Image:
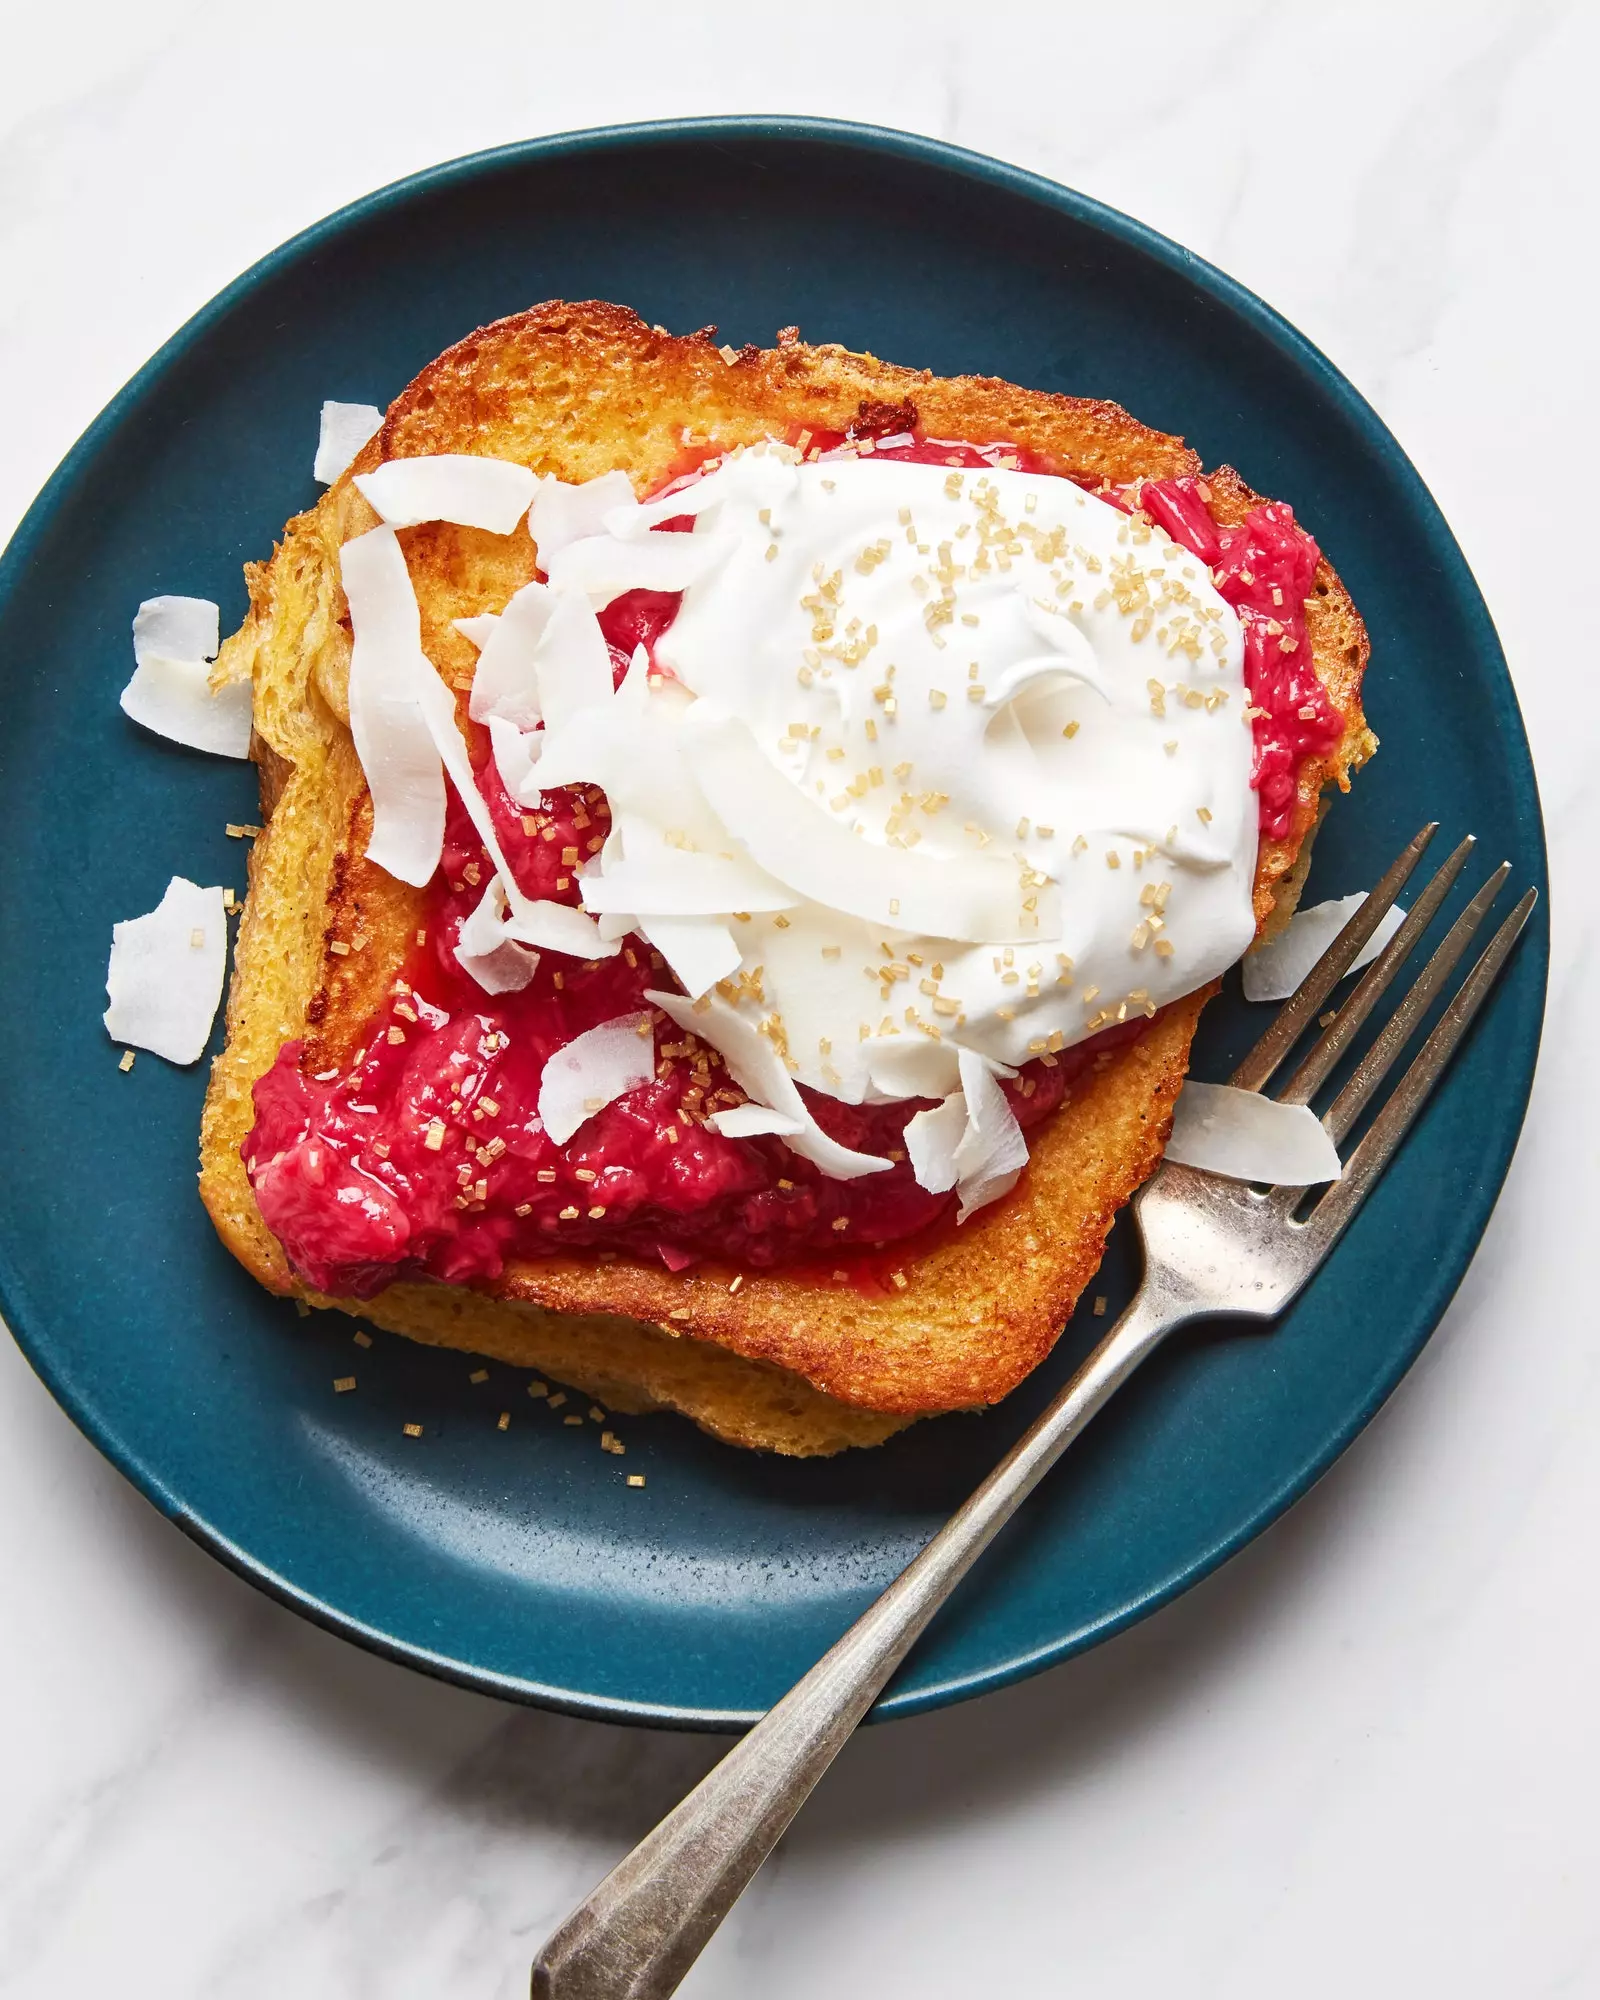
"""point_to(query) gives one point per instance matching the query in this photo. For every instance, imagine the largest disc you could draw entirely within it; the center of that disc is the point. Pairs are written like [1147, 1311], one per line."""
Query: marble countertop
[1361, 1757]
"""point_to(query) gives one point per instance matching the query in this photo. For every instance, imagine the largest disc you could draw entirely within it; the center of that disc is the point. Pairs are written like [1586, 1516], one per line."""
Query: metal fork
[1211, 1246]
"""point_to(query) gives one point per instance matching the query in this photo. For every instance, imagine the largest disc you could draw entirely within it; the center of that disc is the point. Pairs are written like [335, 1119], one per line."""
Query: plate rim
[1128, 232]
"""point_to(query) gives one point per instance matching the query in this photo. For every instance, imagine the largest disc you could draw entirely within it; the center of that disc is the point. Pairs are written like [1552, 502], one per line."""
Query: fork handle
[638, 1933]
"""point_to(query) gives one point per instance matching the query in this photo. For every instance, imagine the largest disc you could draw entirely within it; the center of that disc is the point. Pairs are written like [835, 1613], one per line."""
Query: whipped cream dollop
[943, 758]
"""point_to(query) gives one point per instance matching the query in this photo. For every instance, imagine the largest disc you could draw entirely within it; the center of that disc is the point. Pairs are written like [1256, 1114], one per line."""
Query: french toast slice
[791, 1361]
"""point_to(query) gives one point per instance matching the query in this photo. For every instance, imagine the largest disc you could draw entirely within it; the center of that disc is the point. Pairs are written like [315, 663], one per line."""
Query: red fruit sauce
[341, 1162]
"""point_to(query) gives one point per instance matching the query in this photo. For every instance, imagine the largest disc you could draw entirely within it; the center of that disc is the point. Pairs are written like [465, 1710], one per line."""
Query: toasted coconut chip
[662, 881]
[165, 977]
[1249, 1137]
[346, 427]
[756, 1066]
[992, 1153]
[593, 1070]
[174, 698]
[915, 1068]
[969, 898]
[760, 476]
[699, 950]
[546, 925]
[932, 1138]
[176, 628]
[484, 951]
[480, 629]
[752, 1121]
[473, 492]
[514, 753]
[506, 682]
[1276, 969]
[562, 514]
[604, 568]
[388, 671]
[571, 661]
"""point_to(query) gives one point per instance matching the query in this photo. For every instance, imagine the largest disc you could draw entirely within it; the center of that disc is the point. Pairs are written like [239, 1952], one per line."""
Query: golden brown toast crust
[793, 1362]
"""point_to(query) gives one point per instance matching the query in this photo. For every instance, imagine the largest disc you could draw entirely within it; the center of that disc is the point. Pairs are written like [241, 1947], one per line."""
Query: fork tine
[1392, 1123]
[1326, 1051]
[1297, 1014]
[1375, 1065]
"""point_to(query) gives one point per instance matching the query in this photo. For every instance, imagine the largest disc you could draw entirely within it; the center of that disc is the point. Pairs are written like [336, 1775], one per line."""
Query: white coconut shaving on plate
[593, 1070]
[165, 977]
[345, 428]
[174, 641]
[1275, 970]
[1249, 1137]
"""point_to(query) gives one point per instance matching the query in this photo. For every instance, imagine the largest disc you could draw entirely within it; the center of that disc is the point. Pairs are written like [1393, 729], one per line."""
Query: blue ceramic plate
[520, 1562]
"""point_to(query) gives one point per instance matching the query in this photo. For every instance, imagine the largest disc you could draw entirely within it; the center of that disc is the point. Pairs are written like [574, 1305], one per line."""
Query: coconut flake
[914, 1067]
[486, 953]
[562, 514]
[176, 628]
[593, 1070]
[506, 682]
[932, 1138]
[752, 1121]
[1249, 1137]
[604, 568]
[759, 477]
[171, 692]
[669, 882]
[546, 925]
[992, 1153]
[346, 427]
[473, 492]
[572, 662]
[165, 977]
[962, 897]
[755, 1065]
[1276, 970]
[388, 673]
[515, 751]
[479, 629]
[699, 950]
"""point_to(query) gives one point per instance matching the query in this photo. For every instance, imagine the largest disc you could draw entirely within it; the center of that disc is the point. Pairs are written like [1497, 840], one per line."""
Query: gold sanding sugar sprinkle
[433, 1137]
[411, 1430]
[899, 1280]
[127, 1061]
[573, 1419]
[479, 1375]
[738, 1281]
[635, 1478]
[558, 1399]
[503, 1421]
[1100, 1305]
[538, 1390]
[343, 1384]
[597, 1413]
[363, 1339]
[243, 832]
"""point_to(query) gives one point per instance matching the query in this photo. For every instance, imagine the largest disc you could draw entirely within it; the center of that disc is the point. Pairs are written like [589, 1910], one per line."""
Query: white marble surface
[1362, 1758]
